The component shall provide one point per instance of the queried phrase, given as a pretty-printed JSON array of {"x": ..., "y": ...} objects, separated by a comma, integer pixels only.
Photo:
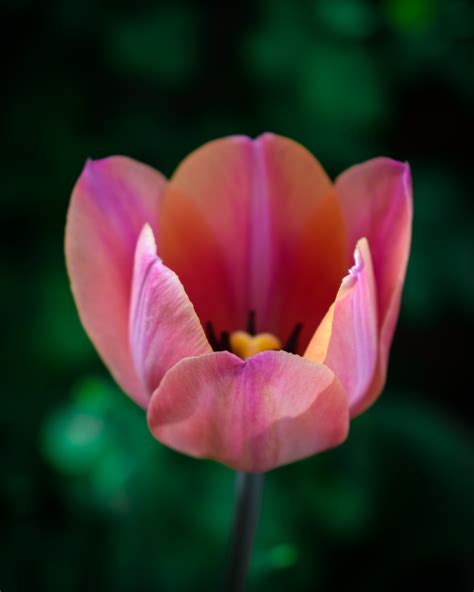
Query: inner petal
[{"x": 254, "y": 225}]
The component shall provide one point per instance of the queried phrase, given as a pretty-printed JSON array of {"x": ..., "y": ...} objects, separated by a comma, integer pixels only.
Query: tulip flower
[{"x": 221, "y": 300}]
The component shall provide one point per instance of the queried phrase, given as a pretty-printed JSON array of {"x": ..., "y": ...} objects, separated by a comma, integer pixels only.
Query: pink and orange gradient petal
[
  {"x": 202, "y": 231},
  {"x": 308, "y": 240},
  {"x": 163, "y": 325},
  {"x": 347, "y": 339},
  {"x": 261, "y": 222},
  {"x": 111, "y": 202},
  {"x": 376, "y": 198},
  {"x": 272, "y": 409}
]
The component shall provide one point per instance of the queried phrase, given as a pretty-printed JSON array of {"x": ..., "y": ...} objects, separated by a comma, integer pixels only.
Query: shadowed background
[{"x": 88, "y": 500}]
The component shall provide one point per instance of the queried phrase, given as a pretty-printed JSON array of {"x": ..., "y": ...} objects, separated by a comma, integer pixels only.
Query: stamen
[
  {"x": 292, "y": 344},
  {"x": 246, "y": 344},
  {"x": 251, "y": 323},
  {"x": 211, "y": 336},
  {"x": 225, "y": 341}
]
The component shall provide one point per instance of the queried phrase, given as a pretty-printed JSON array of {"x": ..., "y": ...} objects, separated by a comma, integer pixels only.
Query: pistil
[{"x": 245, "y": 345}]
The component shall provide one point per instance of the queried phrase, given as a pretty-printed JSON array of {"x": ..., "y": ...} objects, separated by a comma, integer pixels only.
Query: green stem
[{"x": 249, "y": 487}]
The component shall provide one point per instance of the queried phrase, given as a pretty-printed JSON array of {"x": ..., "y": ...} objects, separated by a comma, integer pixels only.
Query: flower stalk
[{"x": 249, "y": 488}]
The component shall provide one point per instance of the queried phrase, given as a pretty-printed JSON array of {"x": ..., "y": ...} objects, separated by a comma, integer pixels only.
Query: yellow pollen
[{"x": 245, "y": 345}]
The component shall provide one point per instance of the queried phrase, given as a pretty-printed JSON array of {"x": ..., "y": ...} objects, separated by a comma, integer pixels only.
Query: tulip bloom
[{"x": 220, "y": 299}]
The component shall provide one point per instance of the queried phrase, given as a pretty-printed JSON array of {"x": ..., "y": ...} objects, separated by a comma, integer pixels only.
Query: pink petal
[
  {"x": 270, "y": 410},
  {"x": 163, "y": 325},
  {"x": 376, "y": 199},
  {"x": 111, "y": 202},
  {"x": 347, "y": 339},
  {"x": 261, "y": 222}
]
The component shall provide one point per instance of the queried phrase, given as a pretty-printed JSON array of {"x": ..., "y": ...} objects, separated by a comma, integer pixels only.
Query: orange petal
[{"x": 260, "y": 221}]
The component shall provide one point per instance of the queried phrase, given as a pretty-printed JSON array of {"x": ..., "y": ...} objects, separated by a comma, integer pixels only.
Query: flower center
[
  {"x": 245, "y": 345},
  {"x": 248, "y": 343}
]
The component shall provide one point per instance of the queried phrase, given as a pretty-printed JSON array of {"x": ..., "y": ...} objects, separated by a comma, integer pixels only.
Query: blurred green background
[{"x": 88, "y": 500}]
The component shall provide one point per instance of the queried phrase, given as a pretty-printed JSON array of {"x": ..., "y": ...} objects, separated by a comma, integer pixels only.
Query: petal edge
[
  {"x": 164, "y": 327},
  {"x": 347, "y": 339},
  {"x": 272, "y": 409},
  {"x": 111, "y": 201}
]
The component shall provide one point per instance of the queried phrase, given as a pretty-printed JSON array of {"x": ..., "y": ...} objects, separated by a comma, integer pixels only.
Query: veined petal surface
[
  {"x": 347, "y": 339},
  {"x": 164, "y": 327},
  {"x": 253, "y": 415},
  {"x": 111, "y": 202},
  {"x": 376, "y": 199}
]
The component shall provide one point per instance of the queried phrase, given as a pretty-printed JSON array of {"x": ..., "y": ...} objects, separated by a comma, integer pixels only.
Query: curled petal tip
[
  {"x": 146, "y": 240},
  {"x": 360, "y": 255},
  {"x": 358, "y": 262},
  {"x": 346, "y": 340}
]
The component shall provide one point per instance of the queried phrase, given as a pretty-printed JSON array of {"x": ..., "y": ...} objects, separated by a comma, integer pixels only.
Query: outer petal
[
  {"x": 163, "y": 325},
  {"x": 376, "y": 199},
  {"x": 111, "y": 202},
  {"x": 261, "y": 222},
  {"x": 347, "y": 339},
  {"x": 270, "y": 410}
]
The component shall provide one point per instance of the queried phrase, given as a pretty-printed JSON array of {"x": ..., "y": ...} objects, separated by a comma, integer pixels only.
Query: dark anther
[
  {"x": 225, "y": 341},
  {"x": 292, "y": 343},
  {"x": 251, "y": 323},
  {"x": 211, "y": 335},
  {"x": 217, "y": 344}
]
